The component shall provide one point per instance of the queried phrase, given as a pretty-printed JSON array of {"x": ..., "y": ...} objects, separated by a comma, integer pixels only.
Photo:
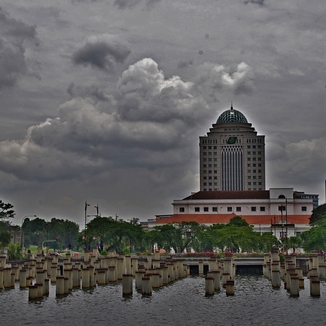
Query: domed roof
[{"x": 231, "y": 115}]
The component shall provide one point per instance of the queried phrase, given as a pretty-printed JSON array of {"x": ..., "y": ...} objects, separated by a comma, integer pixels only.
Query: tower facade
[{"x": 232, "y": 155}]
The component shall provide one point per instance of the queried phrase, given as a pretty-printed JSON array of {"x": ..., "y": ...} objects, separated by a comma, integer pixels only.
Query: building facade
[
  {"x": 278, "y": 211},
  {"x": 232, "y": 155}
]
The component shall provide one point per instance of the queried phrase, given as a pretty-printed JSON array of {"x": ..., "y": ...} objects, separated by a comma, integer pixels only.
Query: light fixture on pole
[{"x": 86, "y": 205}]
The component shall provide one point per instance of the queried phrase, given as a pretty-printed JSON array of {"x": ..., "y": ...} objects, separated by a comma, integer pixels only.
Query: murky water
[{"x": 181, "y": 303}]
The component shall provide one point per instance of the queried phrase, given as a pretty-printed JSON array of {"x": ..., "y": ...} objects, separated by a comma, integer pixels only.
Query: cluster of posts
[
  {"x": 292, "y": 275},
  {"x": 36, "y": 274},
  {"x": 219, "y": 271}
]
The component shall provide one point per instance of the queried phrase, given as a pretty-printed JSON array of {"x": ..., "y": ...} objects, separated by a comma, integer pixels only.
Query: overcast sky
[{"x": 105, "y": 100}]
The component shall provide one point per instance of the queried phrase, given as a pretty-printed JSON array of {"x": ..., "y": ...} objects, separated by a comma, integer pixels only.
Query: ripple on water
[{"x": 182, "y": 303}]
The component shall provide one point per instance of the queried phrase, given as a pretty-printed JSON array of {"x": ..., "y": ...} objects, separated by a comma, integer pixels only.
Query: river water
[{"x": 181, "y": 303}]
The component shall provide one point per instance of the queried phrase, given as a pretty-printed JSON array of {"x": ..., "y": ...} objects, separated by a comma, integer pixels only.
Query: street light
[
  {"x": 86, "y": 205},
  {"x": 21, "y": 229}
]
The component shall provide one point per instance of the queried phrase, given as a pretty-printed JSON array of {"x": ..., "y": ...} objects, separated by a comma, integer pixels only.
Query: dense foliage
[{"x": 108, "y": 234}]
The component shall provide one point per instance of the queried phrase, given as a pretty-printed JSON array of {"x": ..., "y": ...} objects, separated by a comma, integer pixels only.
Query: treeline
[{"x": 122, "y": 236}]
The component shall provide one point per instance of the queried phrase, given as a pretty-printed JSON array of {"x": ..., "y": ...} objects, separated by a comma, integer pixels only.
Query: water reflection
[{"x": 182, "y": 303}]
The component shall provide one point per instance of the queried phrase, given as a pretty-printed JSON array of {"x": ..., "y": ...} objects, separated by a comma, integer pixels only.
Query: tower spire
[{"x": 231, "y": 105}]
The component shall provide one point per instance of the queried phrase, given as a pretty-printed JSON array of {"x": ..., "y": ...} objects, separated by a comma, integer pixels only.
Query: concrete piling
[
  {"x": 209, "y": 286},
  {"x": 229, "y": 287},
  {"x": 127, "y": 284}
]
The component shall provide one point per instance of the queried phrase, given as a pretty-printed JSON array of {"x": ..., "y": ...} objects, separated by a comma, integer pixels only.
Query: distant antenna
[{"x": 231, "y": 106}]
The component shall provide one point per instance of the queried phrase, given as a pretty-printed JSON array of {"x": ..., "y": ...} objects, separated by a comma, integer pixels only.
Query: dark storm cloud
[
  {"x": 149, "y": 118},
  {"x": 14, "y": 34},
  {"x": 258, "y": 2},
  {"x": 185, "y": 63},
  {"x": 123, "y": 4},
  {"x": 102, "y": 52},
  {"x": 93, "y": 91}
]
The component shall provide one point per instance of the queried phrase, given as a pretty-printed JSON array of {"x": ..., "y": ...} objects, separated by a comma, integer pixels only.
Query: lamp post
[
  {"x": 21, "y": 230},
  {"x": 86, "y": 205}
]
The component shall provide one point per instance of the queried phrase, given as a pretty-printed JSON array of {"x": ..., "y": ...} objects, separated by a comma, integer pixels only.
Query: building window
[
  {"x": 238, "y": 209},
  {"x": 205, "y": 209},
  {"x": 181, "y": 209},
  {"x": 253, "y": 209},
  {"x": 197, "y": 209},
  {"x": 281, "y": 208},
  {"x": 229, "y": 209},
  {"x": 249, "y": 183},
  {"x": 304, "y": 208},
  {"x": 214, "y": 209},
  {"x": 262, "y": 209}
]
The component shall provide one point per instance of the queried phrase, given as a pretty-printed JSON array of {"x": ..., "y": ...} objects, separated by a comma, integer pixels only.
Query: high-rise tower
[{"x": 232, "y": 155}]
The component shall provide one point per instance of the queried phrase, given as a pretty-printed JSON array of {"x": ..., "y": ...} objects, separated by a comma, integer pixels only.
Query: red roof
[
  {"x": 225, "y": 218},
  {"x": 243, "y": 194}
]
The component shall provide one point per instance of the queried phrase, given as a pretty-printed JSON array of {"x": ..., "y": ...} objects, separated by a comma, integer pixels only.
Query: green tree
[
  {"x": 6, "y": 210},
  {"x": 318, "y": 214},
  {"x": 293, "y": 242},
  {"x": 179, "y": 236},
  {"x": 5, "y": 236},
  {"x": 65, "y": 231},
  {"x": 315, "y": 238},
  {"x": 267, "y": 241},
  {"x": 14, "y": 252},
  {"x": 235, "y": 236},
  {"x": 116, "y": 235}
]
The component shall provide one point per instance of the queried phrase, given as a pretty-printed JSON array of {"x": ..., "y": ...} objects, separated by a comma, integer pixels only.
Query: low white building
[{"x": 278, "y": 211}]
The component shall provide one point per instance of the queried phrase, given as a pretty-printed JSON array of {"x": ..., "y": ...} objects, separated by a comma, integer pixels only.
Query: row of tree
[{"x": 123, "y": 236}]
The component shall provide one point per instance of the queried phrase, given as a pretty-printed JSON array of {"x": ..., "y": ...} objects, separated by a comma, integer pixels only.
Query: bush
[{"x": 14, "y": 252}]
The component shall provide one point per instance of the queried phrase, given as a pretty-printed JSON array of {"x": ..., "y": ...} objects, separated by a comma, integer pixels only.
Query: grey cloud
[
  {"x": 102, "y": 52},
  {"x": 14, "y": 34},
  {"x": 258, "y": 2},
  {"x": 185, "y": 63},
  {"x": 123, "y": 4},
  {"x": 93, "y": 91},
  {"x": 150, "y": 118},
  {"x": 212, "y": 79}
]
